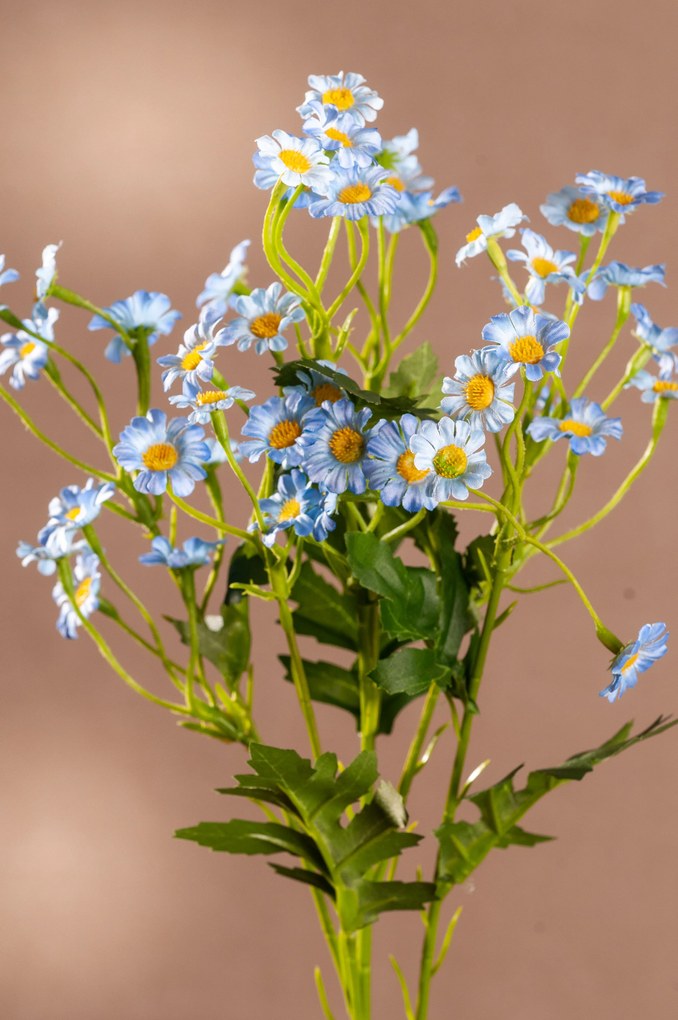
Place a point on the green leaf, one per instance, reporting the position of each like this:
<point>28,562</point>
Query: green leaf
<point>377,897</point>
<point>226,646</point>
<point>330,684</point>
<point>409,671</point>
<point>307,877</point>
<point>455,619</point>
<point>324,613</point>
<point>415,374</point>
<point>245,837</point>
<point>246,567</point>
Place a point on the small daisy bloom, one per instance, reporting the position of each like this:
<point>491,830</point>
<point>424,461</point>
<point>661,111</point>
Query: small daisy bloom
<point>586,426</point>
<point>390,469</point>
<point>25,354</point>
<point>480,391</point>
<point>451,451</point>
<point>413,208</point>
<point>527,338</point>
<point>654,387</point>
<point>573,209</point>
<point>357,192</point>
<point>294,161</point>
<point>263,316</point>
<point>636,658</point>
<point>145,310</point>
<point>294,505</point>
<point>195,553</point>
<point>86,595</point>
<point>346,93</point>
<point>204,402</point>
<point>334,441</point>
<point>617,274</point>
<point>274,428</point>
<point>542,263</point>
<point>317,385</point>
<point>620,194</point>
<point>397,156</point>
<point>72,509</point>
<point>194,359</point>
<point>660,340</point>
<point>162,453</point>
<point>502,224</point>
<point>42,557</point>
<point>341,134</point>
<point>220,286</point>
<point>45,275</point>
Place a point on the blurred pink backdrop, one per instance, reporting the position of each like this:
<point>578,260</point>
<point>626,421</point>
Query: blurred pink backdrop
<point>128,130</point>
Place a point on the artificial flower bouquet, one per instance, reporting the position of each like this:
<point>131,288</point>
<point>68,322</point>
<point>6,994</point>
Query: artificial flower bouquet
<point>354,465</point>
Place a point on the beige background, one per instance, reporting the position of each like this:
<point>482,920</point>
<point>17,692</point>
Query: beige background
<point>127,133</point>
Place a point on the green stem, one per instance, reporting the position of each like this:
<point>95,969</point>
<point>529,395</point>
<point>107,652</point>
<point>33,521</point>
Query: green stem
<point>328,253</point>
<point>623,312</point>
<point>55,379</point>
<point>364,231</point>
<point>638,361</point>
<point>411,765</point>
<point>212,522</point>
<point>142,362</point>
<point>221,432</point>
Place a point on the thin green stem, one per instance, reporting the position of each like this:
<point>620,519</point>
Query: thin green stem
<point>623,312</point>
<point>411,766</point>
<point>364,231</point>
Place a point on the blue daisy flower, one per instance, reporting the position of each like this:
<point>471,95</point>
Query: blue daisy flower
<point>45,276</point>
<point>451,451</point>
<point>220,286</point>
<point>294,505</point>
<point>334,441</point>
<point>356,192</point>
<point>413,208</point>
<point>502,224</point>
<point>323,513</point>
<point>45,560</point>
<point>263,316</point>
<point>25,354</point>
<point>586,426</point>
<point>620,194</point>
<point>340,133</point>
<point>654,387</point>
<point>542,263</point>
<point>617,274</point>
<point>294,161</point>
<point>204,402</point>
<point>660,340</point>
<point>527,338</point>
<point>72,509</point>
<point>317,385</point>
<point>480,391</point>
<point>572,208</point>
<point>162,453</point>
<point>6,275</point>
<point>389,466</point>
<point>405,172</point>
<point>274,428</point>
<point>345,93</point>
<point>144,310</point>
<point>194,358</point>
<point>195,553</point>
<point>636,658</point>
<point>86,595</point>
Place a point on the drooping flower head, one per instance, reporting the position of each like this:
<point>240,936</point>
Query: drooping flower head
<point>334,441</point>
<point>636,658</point>
<point>356,192</point>
<point>585,425</point>
<point>296,504</point>
<point>572,208</point>
<point>528,338</point>
<point>340,133</point>
<point>86,595</point>
<point>344,93</point>
<point>652,387</point>
<point>620,194</point>
<point>543,264</point>
<point>162,453</point>
<point>294,161</point>
<point>204,402</point>
<point>617,274</point>
<point>480,391</point>
<point>274,428</point>
<point>220,286</point>
<point>42,557</point>
<point>502,224</point>
<point>194,359</point>
<point>45,276</point>
<point>23,352</point>
<point>660,340</point>
<point>413,208</point>
<point>390,468</point>
<point>145,310</point>
<point>71,510</point>
<point>452,452</point>
<point>195,553</point>
<point>263,316</point>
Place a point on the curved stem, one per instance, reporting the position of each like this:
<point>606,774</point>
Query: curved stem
<point>623,312</point>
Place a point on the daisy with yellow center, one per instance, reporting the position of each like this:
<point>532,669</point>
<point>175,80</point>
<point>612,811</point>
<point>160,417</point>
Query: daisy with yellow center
<point>344,95</point>
<point>194,359</point>
<point>85,597</point>
<point>528,338</point>
<point>204,403</point>
<point>618,194</point>
<point>543,264</point>
<point>294,161</point>
<point>357,192</point>
<point>452,452</point>
<point>390,467</point>
<point>274,428</point>
<point>586,426</point>
<point>163,453</point>
<point>263,316</point>
<point>502,224</point>
<point>334,446</point>
<point>582,214</point>
<point>636,658</point>
<point>297,506</point>
<point>481,390</point>
<point>341,133</point>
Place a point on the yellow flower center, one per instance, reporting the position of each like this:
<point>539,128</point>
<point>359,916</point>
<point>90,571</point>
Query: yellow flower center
<point>577,428</point>
<point>160,457</point>
<point>406,469</point>
<point>284,434</point>
<point>82,592</point>
<point>479,392</point>
<point>474,234</point>
<point>664,386</point>
<point>621,196</point>
<point>450,461</point>
<point>583,210</point>
<point>527,350</point>
<point>295,161</point>
<point>290,509</point>
<point>73,514</point>
<point>341,98</point>
<point>210,397</point>
<point>339,136</point>
<point>326,391</point>
<point>543,267</point>
<point>396,183</point>
<point>26,349</point>
<point>354,193</point>
<point>266,326</point>
<point>629,663</point>
<point>191,360</point>
<point>347,445</point>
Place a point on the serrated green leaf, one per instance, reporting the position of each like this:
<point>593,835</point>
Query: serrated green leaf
<point>415,374</point>
<point>418,616</point>
<point>377,897</point>
<point>307,877</point>
<point>227,647</point>
<point>330,684</point>
<point>409,671</point>
<point>244,837</point>
<point>324,613</point>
